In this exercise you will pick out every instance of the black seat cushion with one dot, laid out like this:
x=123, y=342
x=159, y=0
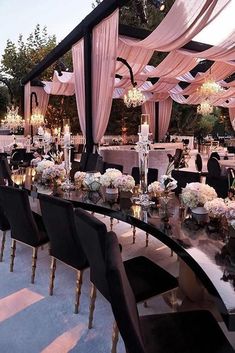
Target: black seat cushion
x=213, y=167
x=142, y=273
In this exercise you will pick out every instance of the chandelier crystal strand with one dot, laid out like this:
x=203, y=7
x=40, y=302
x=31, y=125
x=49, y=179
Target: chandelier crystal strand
x=210, y=88
x=134, y=98
x=205, y=108
x=13, y=120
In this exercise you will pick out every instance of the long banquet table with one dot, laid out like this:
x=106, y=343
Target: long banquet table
x=200, y=251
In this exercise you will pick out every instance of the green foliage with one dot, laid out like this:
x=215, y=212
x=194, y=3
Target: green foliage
x=19, y=59
x=4, y=99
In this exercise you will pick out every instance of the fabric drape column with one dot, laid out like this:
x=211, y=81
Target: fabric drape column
x=42, y=98
x=27, y=91
x=79, y=81
x=165, y=108
x=104, y=53
x=232, y=117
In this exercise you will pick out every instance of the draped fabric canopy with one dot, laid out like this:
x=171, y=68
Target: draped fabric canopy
x=184, y=21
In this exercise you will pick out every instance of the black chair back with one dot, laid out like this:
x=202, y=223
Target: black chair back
x=58, y=218
x=198, y=162
x=231, y=149
x=220, y=184
x=83, y=161
x=94, y=163
x=112, y=165
x=5, y=172
x=18, y=154
x=151, y=177
x=15, y=203
x=215, y=155
x=92, y=234
x=178, y=157
x=122, y=298
x=213, y=167
x=4, y=224
x=183, y=178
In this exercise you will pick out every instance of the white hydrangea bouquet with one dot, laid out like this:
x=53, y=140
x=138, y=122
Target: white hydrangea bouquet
x=109, y=177
x=197, y=194
x=54, y=174
x=230, y=212
x=155, y=188
x=78, y=179
x=43, y=165
x=124, y=183
x=216, y=207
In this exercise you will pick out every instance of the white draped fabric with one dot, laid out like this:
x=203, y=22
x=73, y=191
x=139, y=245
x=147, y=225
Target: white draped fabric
x=164, y=116
x=27, y=92
x=42, y=98
x=184, y=20
x=149, y=108
x=60, y=85
x=79, y=81
x=104, y=53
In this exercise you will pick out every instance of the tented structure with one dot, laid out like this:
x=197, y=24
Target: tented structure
x=99, y=39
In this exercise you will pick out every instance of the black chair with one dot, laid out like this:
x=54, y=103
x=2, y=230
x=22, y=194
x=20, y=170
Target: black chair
x=179, y=332
x=183, y=178
x=26, y=227
x=58, y=217
x=231, y=149
x=4, y=227
x=213, y=167
x=219, y=183
x=215, y=155
x=141, y=272
x=198, y=162
x=152, y=175
x=94, y=163
x=107, y=165
x=18, y=157
x=178, y=157
x=5, y=171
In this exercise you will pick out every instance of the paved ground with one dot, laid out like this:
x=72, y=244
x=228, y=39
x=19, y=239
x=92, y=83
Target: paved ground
x=31, y=321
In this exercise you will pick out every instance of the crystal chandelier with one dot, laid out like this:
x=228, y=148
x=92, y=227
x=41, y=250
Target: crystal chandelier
x=37, y=119
x=134, y=98
x=205, y=108
x=210, y=88
x=13, y=120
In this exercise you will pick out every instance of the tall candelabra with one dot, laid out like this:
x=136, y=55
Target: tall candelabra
x=67, y=185
x=143, y=150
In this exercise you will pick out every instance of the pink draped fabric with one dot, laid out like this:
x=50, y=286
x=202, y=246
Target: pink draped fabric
x=42, y=98
x=136, y=57
x=79, y=81
x=163, y=85
x=232, y=116
x=104, y=53
x=149, y=108
x=188, y=17
x=61, y=85
x=164, y=110
x=175, y=64
x=27, y=91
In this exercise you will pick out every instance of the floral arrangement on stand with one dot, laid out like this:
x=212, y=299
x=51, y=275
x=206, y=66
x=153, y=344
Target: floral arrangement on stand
x=109, y=177
x=54, y=174
x=78, y=179
x=216, y=208
x=125, y=184
x=230, y=212
x=155, y=188
x=43, y=165
x=197, y=194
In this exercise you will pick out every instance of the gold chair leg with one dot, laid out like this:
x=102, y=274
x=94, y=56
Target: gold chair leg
x=147, y=240
x=52, y=275
x=134, y=235
x=2, y=245
x=115, y=335
x=13, y=252
x=111, y=223
x=78, y=290
x=34, y=263
x=92, y=305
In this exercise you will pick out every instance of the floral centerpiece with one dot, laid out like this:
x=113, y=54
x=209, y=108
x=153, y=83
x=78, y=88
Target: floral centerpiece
x=155, y=188
x=43, y=165
x=54, y=174
x=78, y=179
x=230, y=212
x=125, y=184
x=108, y=179
x=216, y=207
x=197, y=194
